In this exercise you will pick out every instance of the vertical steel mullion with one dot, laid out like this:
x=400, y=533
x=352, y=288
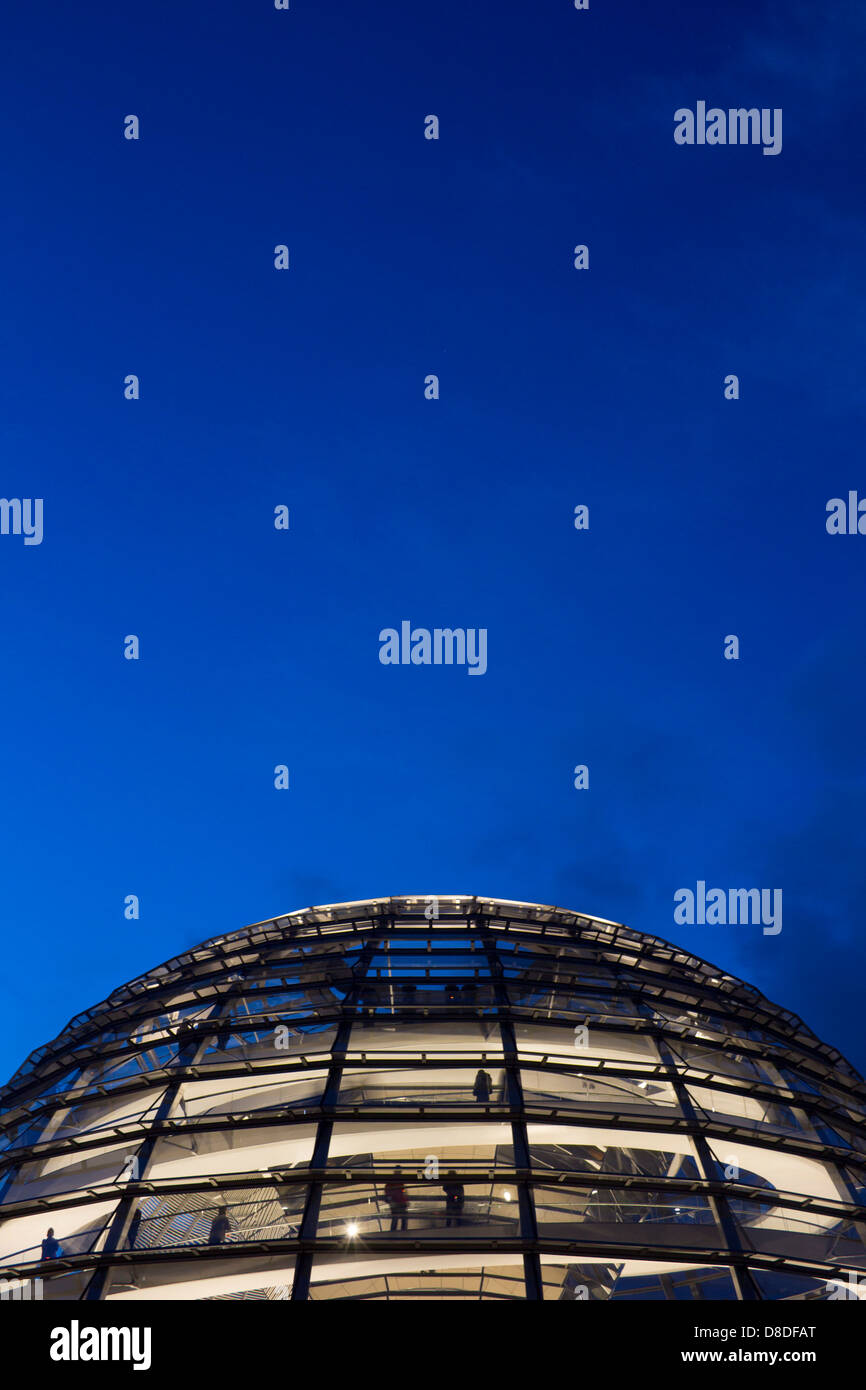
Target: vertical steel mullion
x=533, y=1287
x=321, y=1147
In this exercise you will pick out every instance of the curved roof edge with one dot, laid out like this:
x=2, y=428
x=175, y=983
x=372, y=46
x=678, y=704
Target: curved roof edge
x=452, y=909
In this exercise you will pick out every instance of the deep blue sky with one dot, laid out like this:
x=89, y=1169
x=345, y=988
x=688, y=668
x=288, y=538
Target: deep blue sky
x=306, y=388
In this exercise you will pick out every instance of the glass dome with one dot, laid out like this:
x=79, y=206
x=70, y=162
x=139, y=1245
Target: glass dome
x=435, y=1098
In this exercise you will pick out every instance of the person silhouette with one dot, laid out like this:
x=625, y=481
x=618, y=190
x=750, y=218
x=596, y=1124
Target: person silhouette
x=395, y=1196
x=454, y=1197
x=483, y=1086
x=219, y=1228
x=50, y=1247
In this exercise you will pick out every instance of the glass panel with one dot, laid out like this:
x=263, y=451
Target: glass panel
x=611, y=1215
x=294, y=1039
x=75, y=1229
x=560, y=1090
x=216, y=1217
x=383, y=1279
x=238, y=1098
x=412, y=960
x=815, y=1237
x=320, y=996
x=383, y=997
x=427, y=1037
x=562, y=1149
x=625, y=1280
x=65, y=1287
x=428, y=1086
x=235, y=1150
x=722, y=1062
x=750, y=1110
x=418, y=1147
x=400, y=1202
x=538, y=1040
x=549, y=1001
x=780, y=1287
x=213, y=1273
x=87, y=1119
x=69, y=1172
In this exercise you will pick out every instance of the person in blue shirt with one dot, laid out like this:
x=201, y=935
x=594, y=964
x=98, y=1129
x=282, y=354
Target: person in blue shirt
x=51, y=1247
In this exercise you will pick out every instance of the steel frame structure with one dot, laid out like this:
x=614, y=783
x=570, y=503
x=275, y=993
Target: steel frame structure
x=653, y=1129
